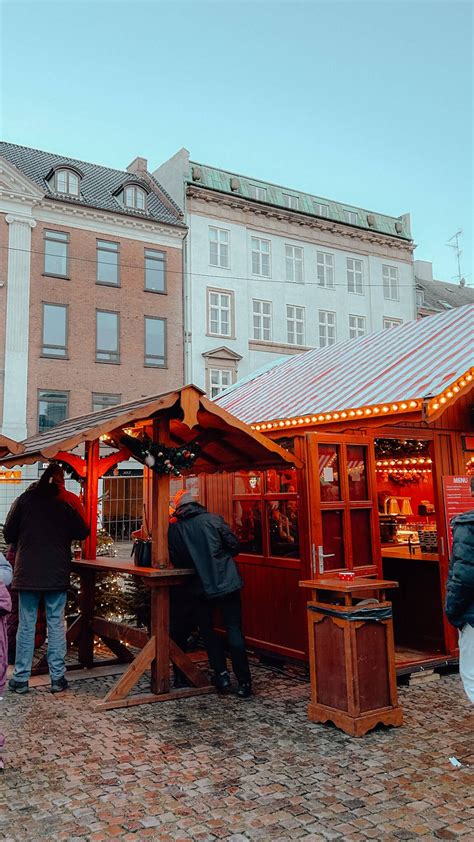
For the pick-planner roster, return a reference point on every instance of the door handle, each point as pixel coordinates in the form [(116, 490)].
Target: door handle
[(321, 556)]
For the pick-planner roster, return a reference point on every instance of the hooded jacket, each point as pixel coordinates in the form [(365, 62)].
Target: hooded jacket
[(43, 526), (204, 541), (460, 587)]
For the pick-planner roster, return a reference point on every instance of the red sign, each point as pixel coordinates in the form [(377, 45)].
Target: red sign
[(458, 498)]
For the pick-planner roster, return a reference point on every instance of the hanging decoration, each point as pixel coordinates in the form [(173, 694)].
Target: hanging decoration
[(161, 458), (400, 447)]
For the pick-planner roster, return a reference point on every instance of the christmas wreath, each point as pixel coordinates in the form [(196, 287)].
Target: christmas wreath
[(159, 457)]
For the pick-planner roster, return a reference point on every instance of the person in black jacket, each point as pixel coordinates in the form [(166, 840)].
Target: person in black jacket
[(203, 541), (460, 595), (42, 523)]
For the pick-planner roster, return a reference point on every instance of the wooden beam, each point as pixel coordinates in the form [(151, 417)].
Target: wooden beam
[(117, 631), (91, 497), (108, 462), (190, 401), (161, 502), (160, 614), (150, 698), (133, 674), (185, 664), (76, 462)]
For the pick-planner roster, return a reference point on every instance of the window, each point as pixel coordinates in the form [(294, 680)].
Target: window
[(155, 341), (327, 328), (219, 380), (357, 326), (388, 323), (320, 209), (355, 278), (219, 313), (294, 264), (390, 282), (351, 216), (256, 192), (420, 297), (155, 271), (325, 269), (102, 400), (107, 336), (290, 201), (265, 512), (295, 324), (67, 181), (107, 263), (262, 320), (219, 247), (56, 253), (52, 408), (260, 257), (54, 330), (134, 197)]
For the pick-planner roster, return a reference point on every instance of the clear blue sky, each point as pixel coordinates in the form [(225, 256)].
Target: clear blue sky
[(369, 103)]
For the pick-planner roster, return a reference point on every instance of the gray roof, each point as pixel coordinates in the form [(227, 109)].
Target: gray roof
[(440, 295), (98, 184)]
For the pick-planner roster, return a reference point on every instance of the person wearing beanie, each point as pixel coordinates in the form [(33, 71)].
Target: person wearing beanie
[(201, 540)]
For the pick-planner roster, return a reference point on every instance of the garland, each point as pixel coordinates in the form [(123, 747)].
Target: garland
[(159, 457), (396, 447)]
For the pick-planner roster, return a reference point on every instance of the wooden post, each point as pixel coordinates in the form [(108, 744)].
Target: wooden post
[(91, 497), (160, 666), (160, 503), (86, 604)]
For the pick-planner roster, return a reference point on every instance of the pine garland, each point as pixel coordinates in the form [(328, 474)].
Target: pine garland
[(159, 457), (386, 448)]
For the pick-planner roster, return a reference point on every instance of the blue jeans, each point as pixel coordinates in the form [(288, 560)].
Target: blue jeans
[(55, 603)]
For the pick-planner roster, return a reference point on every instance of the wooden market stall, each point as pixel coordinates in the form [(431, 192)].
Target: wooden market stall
[(381, 423), (199, 436)]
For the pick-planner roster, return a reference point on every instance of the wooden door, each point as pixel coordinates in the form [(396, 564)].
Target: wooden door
[(343, 512)]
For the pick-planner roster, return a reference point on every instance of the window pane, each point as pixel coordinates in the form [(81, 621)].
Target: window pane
[(52, 409), (155, 271), (54, 329), (61, 181), (107, 262), (248, 525), (283, 528), (280, 481), (107, 336), (103, 401), (247, 482), (55, 256), (361, 536), (357, 472), (140, 198), (333, 540), (154, 341), (329, 472)]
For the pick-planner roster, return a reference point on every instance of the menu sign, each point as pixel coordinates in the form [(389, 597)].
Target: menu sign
[(458, 498)]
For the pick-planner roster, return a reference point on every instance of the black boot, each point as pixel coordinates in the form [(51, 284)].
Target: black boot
[(244, 690), (222, 682)]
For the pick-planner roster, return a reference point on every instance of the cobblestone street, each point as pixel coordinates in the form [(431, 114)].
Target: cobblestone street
[(211, 768)]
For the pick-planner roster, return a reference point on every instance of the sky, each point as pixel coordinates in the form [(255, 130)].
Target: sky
[(367, 103)]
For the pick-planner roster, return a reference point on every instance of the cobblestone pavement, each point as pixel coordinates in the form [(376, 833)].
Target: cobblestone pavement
[(209, 768)]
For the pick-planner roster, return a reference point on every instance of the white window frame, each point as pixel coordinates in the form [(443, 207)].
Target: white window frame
[(134, 197), (351, 216), (325, 269), (321, 209), (216, 311), (262, 327), (295, 324), (326, 328), (357, 326), (388, 322), (294, 263), (257, 192), (219, 237), (71, 180), (258, 255), (216, 374), (291, 201), (391, 284), (355, 275)]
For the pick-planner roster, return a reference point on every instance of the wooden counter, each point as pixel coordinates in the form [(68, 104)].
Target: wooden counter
[(401, 551)]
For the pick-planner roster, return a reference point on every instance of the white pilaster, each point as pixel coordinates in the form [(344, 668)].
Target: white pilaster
[(17, 326)]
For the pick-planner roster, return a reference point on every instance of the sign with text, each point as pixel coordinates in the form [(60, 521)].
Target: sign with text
[(458, 498)]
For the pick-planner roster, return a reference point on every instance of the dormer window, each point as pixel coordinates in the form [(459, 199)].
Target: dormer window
[(67, 181), (134, 197)]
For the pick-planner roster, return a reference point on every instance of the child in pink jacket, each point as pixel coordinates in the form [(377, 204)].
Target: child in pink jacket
[(5, 608)]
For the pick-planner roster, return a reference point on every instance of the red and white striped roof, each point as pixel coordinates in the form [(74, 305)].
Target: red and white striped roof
[(410, 362)]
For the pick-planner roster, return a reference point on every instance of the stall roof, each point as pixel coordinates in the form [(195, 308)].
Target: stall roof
[(420, 364), (9, 446), (226, 443)]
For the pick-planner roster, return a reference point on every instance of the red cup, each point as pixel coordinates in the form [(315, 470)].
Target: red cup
[(77, 553)]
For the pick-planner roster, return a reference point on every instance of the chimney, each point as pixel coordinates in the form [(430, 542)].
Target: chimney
[(139, 166), (462, 282)]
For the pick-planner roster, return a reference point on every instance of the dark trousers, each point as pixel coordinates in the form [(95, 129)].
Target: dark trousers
[(230, 613)]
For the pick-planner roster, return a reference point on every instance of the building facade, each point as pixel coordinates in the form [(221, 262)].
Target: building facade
[(91, 307), (271, 272), (433, 296)]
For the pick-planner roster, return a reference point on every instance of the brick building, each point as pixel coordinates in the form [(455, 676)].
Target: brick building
[(90, 287)]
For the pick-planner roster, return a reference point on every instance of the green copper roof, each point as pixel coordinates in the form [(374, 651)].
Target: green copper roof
[(240, 185)]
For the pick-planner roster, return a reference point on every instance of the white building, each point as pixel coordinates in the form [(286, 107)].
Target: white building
[(271, 271)]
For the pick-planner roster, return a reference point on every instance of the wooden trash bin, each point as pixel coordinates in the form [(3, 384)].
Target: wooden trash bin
[(352, 658)]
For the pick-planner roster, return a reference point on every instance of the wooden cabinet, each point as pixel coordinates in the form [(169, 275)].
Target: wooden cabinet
[(352, 659)]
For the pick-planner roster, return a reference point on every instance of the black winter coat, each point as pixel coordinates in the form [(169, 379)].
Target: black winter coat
[(460, 588), (43, 526), (204, 541)]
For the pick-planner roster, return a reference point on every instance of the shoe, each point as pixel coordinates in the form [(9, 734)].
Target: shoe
[(244, 690), (59, 685), (20, 687), (222, 682)]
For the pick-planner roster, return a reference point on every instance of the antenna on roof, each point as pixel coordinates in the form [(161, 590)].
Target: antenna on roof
[(458, 252)]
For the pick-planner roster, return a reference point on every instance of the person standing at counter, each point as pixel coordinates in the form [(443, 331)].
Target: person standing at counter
[(460, 595)]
